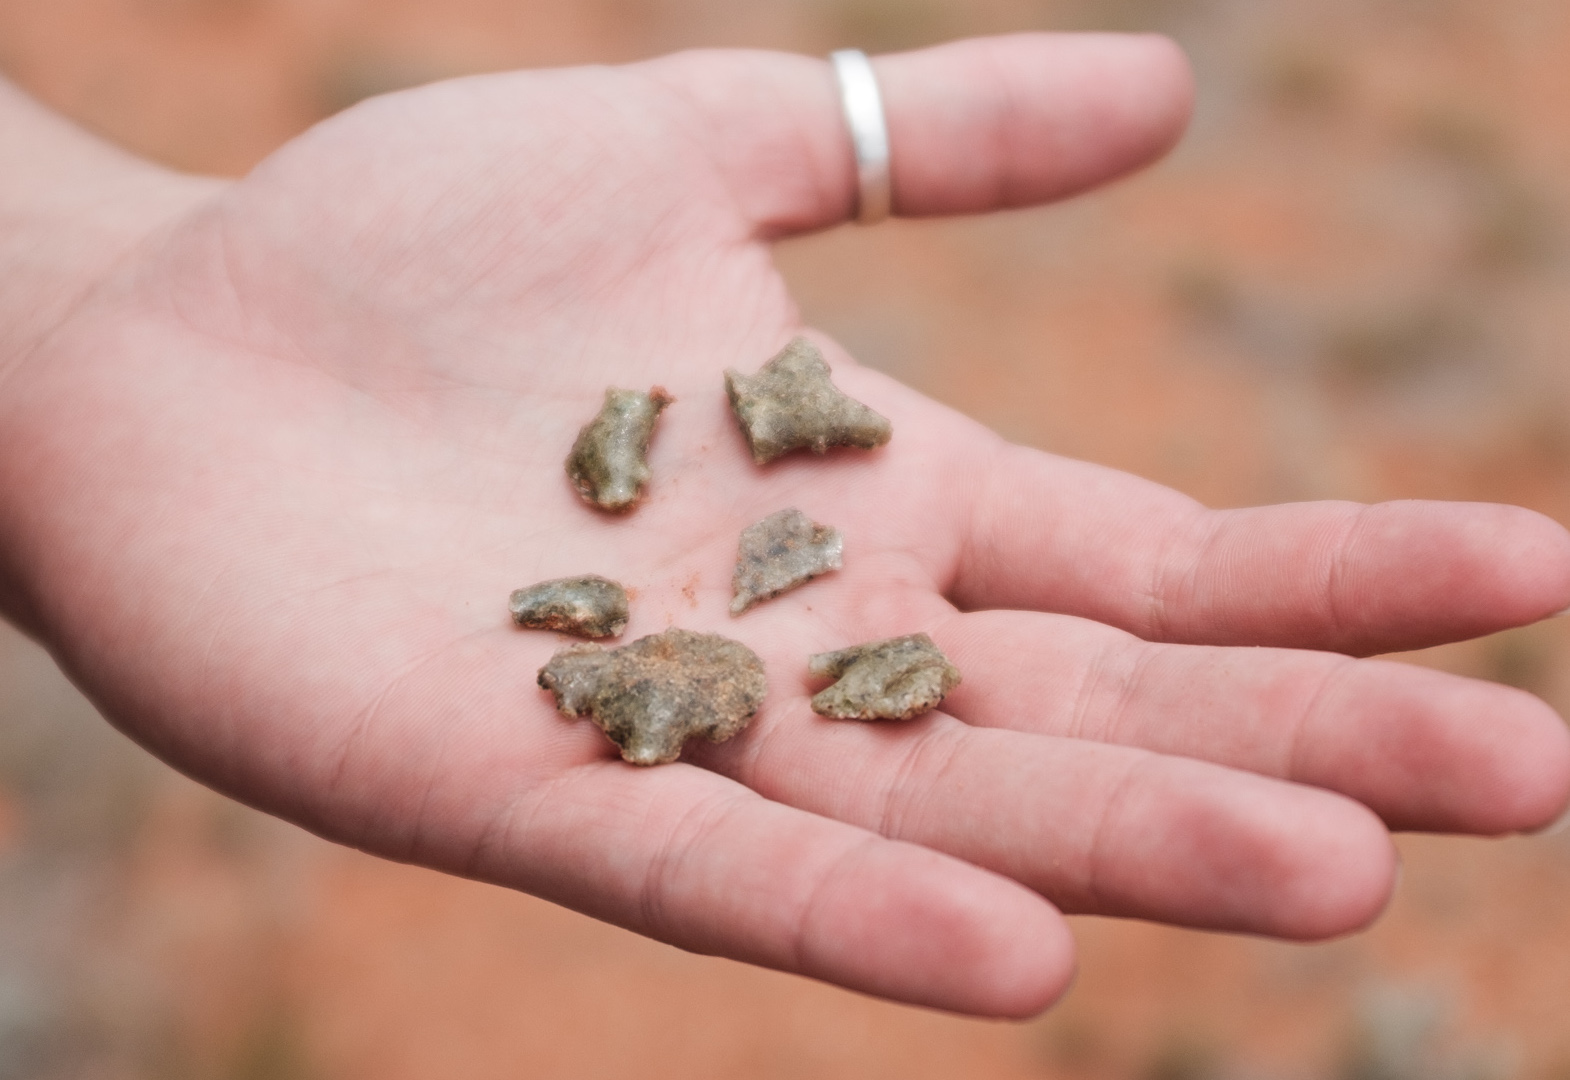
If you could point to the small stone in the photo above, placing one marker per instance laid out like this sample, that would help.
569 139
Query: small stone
650 697
609 462
589 606
791 404
780 552
883 680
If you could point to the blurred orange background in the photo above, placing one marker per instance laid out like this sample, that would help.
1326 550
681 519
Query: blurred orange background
1352 281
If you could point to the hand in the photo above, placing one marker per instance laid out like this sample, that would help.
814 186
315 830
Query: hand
266 484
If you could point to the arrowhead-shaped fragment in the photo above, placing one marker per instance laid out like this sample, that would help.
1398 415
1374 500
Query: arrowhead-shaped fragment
609 462
782 551
589 606
791 404
883 680
650 697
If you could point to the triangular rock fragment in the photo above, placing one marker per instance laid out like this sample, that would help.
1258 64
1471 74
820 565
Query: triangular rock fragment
784 550
792 404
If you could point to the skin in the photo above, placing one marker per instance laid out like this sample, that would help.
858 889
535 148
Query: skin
274 452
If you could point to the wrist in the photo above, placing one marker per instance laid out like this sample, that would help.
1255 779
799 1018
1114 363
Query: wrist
71 207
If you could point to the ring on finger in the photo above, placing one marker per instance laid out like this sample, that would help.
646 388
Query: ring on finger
862 105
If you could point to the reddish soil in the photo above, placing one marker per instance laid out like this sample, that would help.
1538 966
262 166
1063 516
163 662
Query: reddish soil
1351 282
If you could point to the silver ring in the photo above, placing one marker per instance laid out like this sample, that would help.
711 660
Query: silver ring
869 133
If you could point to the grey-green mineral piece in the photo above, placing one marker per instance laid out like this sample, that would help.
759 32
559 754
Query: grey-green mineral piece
588 606
791 404
608 464
883 680
650 697
782 551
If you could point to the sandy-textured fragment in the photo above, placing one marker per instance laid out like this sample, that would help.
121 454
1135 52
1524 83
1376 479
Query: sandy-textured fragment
784 550
791 404
883 680
650 697
588 606
609 461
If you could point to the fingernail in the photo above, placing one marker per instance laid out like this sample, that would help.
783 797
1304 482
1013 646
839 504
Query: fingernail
1560 826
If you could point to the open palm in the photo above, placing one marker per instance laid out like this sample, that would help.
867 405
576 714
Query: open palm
299 446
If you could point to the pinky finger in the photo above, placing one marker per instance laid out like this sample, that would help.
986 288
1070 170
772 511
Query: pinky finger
703 863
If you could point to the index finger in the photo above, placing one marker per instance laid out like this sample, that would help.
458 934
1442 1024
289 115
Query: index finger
1050 534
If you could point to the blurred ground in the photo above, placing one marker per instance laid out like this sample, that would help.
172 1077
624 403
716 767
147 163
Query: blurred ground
1352 281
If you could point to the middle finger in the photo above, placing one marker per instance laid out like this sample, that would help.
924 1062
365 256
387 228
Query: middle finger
1424 749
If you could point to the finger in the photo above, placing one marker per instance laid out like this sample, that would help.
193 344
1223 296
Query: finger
973 125
1421 748
700 862
1054 535
1097 829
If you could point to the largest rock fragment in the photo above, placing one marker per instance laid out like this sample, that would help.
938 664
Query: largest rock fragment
791 404
608 464
650 697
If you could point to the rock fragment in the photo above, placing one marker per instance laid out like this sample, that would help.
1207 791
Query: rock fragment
588 606
608 464
650 697
784 550
791 404
883 680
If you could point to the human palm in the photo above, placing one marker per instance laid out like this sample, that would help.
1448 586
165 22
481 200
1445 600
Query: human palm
301 444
